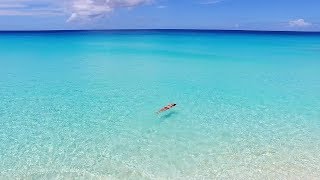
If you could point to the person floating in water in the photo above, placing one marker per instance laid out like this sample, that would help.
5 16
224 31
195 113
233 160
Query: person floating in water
166 108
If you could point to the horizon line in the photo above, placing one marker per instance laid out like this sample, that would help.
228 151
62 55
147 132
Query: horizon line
169 29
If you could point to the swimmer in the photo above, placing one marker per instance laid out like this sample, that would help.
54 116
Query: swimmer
166 108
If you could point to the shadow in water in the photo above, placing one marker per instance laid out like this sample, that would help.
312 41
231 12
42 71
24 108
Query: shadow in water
168 115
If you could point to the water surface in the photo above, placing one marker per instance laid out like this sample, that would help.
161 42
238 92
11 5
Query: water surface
82 105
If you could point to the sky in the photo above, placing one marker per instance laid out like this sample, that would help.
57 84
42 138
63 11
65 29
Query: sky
276 15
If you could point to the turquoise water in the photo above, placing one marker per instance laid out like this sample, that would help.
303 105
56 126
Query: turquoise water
82 105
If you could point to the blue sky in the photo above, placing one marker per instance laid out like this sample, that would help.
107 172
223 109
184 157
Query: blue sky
301 15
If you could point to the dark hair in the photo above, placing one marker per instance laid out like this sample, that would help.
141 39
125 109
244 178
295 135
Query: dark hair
174 104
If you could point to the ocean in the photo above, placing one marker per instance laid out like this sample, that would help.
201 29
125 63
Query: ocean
82 105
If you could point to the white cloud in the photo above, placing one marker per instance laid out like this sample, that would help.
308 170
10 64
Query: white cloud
210 2
30 13
161 7
88 9
11 5
31 7
76 9
299 23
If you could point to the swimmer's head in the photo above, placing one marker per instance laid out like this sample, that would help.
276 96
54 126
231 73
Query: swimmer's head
174 104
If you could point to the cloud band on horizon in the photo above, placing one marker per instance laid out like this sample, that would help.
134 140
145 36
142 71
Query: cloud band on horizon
299 23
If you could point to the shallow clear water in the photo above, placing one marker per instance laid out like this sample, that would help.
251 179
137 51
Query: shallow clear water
82 105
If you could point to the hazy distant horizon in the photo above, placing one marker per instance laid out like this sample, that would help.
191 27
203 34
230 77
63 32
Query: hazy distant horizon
166 29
